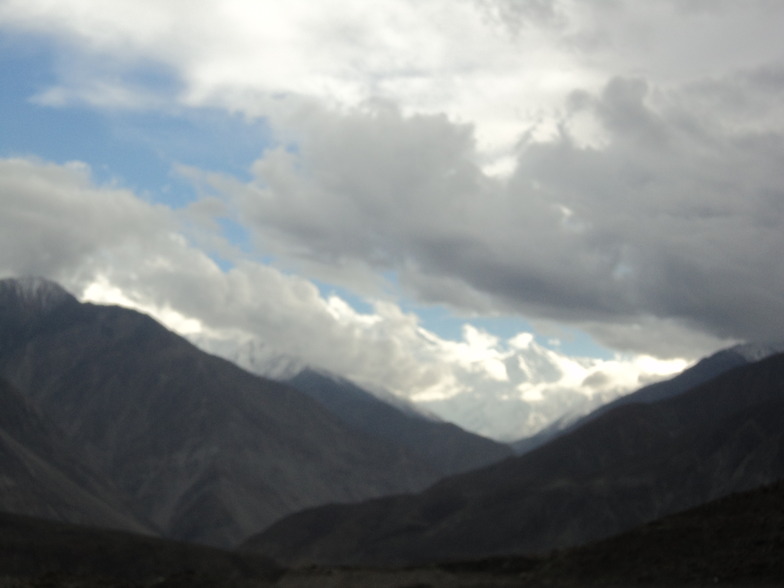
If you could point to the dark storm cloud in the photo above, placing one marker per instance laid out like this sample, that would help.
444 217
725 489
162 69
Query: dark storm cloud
613 165
669 213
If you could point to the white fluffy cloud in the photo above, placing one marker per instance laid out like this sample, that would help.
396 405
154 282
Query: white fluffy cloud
55 222
644 185
612 166
674 218
502 65
490 63
109 246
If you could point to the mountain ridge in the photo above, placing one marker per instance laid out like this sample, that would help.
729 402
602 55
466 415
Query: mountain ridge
703 371
44 475
629 465
209 452
445 446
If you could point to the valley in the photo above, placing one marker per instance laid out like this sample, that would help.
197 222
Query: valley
122 442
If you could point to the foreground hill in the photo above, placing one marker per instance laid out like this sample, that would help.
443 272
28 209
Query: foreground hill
42 475
735 541
205 451
37 552
632 464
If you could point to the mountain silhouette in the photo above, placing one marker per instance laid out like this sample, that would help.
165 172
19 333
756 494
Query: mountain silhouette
199 449
631 464
703 371
445 447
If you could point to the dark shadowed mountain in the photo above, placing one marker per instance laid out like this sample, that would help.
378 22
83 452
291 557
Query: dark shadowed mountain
632 464
37 552
206 451
445 447
735 541
738 540
43 476
703 371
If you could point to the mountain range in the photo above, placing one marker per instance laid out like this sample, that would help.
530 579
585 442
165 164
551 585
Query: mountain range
135 428
703 371
737 540
42 475
631 464
110 420
442 445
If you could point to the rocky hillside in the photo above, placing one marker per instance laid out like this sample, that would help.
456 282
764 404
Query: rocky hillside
632 464
736 541
201 449
445 447
44 475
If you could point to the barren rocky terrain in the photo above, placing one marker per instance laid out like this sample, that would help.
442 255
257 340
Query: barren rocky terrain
736 541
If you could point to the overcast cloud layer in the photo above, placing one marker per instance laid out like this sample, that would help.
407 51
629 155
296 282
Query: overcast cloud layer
609 166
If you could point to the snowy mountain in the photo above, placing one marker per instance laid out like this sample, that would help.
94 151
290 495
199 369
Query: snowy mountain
516 389
107 417
632 464
701 372
203 450
250 354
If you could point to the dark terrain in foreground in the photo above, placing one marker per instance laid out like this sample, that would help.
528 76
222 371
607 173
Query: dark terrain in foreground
735 541
37 552
632 465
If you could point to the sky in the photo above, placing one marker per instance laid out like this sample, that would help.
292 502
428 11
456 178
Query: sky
504 211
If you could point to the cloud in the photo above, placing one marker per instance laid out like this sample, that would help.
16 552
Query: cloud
109 246
262 59
513 388
55 221
675 217
610 166
505 67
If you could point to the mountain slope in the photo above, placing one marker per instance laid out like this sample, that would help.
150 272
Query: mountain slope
208 452
41 475
632 464
703 371
445 447
735 541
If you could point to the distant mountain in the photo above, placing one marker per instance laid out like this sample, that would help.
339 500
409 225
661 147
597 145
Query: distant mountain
632 464
252 355
703 371
205 451
445 447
